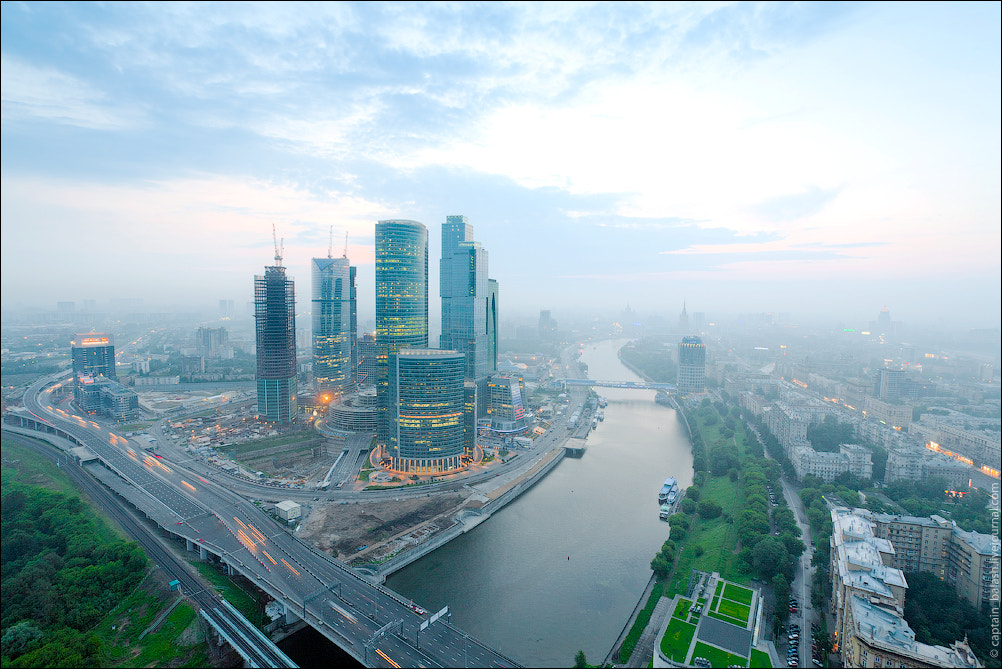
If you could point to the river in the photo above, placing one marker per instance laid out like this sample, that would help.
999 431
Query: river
561 568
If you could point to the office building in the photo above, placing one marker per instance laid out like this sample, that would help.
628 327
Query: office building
401 306
691 365
428 425
505 408
469 303
335 324
365 368
92 355
275 328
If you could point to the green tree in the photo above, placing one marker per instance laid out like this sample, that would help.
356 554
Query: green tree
580 661
708 509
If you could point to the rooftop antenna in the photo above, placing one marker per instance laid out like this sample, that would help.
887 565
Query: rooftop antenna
345 255
330 245
278 249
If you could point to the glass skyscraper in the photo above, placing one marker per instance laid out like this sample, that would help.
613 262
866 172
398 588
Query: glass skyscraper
428 428
275 328
335 322
469 302
401 306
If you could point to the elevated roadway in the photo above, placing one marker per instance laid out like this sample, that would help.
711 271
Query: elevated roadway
377 626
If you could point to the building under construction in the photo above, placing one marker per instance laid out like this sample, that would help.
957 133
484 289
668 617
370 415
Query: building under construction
275 325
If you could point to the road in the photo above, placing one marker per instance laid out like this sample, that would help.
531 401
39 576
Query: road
377 626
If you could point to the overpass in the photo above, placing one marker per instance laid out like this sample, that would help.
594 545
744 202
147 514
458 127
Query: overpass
637 385
375 625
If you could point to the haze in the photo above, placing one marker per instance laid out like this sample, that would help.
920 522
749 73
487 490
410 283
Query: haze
812 159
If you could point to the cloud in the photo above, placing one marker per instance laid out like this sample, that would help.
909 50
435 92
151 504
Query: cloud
33 93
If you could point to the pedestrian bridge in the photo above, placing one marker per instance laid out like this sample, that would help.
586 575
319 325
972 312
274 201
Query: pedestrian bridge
638 385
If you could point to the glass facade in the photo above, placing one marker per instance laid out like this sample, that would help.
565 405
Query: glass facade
335 323
428 427
93 356
691 365
275 329
401 305
507 413
463 289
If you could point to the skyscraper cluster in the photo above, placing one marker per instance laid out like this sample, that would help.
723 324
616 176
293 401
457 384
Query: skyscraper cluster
427 400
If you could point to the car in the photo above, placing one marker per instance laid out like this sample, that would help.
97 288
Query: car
201 541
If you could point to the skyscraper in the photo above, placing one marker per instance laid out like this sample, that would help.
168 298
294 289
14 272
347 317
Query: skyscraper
335 322
691 365
463 289
401 306
275 325
93 355
428 425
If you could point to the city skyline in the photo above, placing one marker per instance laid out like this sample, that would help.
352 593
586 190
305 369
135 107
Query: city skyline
819 160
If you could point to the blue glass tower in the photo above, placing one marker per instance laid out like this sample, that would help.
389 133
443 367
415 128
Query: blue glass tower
335 325
401 306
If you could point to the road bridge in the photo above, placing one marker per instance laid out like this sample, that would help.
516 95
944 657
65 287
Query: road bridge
636 385
225 528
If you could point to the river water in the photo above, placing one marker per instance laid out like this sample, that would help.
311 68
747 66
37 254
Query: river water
561 568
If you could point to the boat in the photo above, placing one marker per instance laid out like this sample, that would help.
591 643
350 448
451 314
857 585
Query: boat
665 512
600 415
669 491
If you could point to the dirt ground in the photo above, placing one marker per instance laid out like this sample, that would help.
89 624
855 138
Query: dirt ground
342 529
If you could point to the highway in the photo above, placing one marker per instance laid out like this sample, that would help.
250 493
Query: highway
375 625
235 628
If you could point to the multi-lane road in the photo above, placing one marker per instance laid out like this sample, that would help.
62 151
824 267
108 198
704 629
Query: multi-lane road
372 623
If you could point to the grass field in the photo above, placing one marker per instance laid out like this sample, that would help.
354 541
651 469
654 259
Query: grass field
759 660
726 619
675 643
718 657
738 594
733 609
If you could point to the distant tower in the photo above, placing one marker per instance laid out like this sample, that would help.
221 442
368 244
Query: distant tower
335 325
691 365
275 325
683 320
884 321
469 301
401 307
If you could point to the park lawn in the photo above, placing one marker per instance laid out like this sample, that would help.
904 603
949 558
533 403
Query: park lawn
727 619
738 594
718 657
675 643
720 587
682 609
734 609
759 659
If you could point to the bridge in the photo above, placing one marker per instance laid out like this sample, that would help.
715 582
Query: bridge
376 626
636 385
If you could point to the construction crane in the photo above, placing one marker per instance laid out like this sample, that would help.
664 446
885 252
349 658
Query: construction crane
278 249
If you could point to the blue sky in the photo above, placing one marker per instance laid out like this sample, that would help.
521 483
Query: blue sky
815 159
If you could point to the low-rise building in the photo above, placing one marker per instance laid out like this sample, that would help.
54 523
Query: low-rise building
289 510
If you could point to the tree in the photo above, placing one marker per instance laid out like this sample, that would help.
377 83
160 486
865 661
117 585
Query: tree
769 557
709 509
781 588
580 661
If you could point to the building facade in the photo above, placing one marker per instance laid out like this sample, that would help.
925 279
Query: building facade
428 426
275 330
335 324
92 355
691 365
505 408
401 306
469 303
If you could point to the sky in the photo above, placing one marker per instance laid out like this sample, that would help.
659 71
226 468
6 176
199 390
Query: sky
814 159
